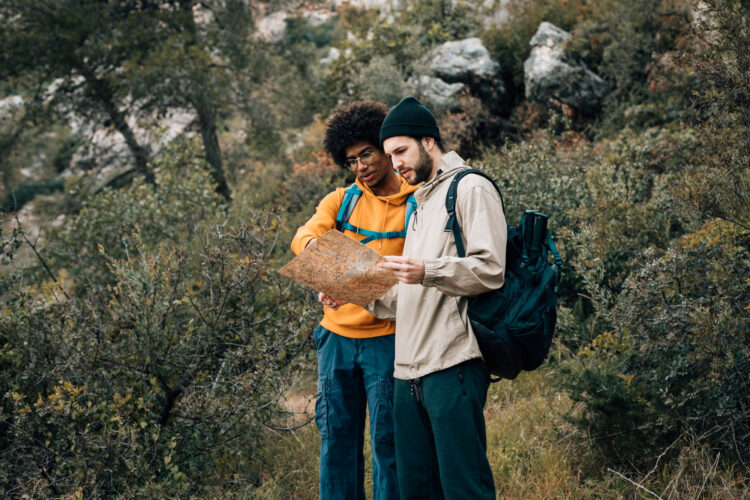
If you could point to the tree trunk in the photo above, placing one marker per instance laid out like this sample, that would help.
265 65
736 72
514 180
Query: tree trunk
104 95
207 122
206 109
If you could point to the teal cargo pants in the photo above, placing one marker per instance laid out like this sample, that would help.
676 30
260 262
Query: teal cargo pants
441 441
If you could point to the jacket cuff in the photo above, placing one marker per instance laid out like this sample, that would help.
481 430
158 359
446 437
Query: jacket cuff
430 272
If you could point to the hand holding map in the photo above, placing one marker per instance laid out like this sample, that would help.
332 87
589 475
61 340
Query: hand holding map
341 267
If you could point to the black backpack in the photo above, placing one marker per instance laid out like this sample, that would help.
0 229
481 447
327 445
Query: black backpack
514 324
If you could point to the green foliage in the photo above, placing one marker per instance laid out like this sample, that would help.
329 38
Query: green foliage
380 80
160 371
299 31
18 197
718 185
606 204
673 365
632 47
169 375
183 200
440 20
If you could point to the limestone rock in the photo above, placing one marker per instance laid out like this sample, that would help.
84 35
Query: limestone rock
549 35
105 155
9 107
469 62
435 91
551 80
272 27
331 57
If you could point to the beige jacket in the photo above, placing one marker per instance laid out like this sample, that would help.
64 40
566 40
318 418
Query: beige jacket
432 329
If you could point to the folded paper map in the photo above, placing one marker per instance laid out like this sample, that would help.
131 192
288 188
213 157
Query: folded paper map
341 267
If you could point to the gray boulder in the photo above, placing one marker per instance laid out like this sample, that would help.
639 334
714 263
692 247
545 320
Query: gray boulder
436 91
9 108
552 81
330 58
272 28
469 62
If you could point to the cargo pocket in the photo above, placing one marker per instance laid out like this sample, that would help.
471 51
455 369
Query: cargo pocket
316 336
384 411
321 407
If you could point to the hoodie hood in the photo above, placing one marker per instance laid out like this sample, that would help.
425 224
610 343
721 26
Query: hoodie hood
397 199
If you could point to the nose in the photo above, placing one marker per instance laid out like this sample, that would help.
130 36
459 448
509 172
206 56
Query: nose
359 164
396 162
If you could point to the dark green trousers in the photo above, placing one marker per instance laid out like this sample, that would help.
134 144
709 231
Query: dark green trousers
441 440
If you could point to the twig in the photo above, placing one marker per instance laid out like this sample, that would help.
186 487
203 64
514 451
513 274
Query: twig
41 259
289 429
639 486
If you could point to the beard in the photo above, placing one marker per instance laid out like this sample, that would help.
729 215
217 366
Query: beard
423 168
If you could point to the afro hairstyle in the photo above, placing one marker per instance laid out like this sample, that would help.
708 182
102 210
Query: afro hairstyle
351 123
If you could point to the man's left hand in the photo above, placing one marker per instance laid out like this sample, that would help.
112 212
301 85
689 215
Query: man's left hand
406 269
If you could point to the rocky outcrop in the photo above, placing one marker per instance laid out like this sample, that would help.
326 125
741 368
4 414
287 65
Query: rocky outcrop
552 81
384 6
272 28
104 154
9 108
469 62
331 57
436 91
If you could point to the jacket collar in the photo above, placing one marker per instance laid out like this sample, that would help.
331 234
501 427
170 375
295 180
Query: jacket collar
448 166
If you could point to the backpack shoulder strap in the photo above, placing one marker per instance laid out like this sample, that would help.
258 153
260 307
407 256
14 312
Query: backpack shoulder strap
411 206
351 197
450 206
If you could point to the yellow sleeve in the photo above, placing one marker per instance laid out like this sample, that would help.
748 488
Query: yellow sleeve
322 221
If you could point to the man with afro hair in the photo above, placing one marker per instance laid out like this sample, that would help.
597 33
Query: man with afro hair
355 350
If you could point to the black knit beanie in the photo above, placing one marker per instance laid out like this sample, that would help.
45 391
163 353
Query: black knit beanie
409 117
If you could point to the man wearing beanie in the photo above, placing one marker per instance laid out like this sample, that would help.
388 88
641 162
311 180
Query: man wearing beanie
354 348
441 381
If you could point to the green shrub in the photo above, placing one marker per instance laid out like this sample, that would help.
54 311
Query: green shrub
24 193
170 213
153 361
674 364
165 377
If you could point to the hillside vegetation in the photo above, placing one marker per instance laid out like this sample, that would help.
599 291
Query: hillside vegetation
149 348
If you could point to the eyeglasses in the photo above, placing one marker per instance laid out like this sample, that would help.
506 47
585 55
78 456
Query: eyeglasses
366 158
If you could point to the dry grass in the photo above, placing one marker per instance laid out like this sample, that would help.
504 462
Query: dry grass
534 452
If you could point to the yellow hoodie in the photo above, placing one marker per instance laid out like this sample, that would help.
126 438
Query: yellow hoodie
373 213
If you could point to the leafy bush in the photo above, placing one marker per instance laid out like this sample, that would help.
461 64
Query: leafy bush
674 365
718 184
629 45
159 372
172 212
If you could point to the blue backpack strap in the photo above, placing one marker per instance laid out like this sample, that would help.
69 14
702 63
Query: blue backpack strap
411 207
373 235
351 197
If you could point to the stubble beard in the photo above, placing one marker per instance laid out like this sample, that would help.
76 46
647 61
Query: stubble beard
423 168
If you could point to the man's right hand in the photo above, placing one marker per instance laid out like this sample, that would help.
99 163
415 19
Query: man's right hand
329 301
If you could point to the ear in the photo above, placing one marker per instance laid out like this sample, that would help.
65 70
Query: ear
428 143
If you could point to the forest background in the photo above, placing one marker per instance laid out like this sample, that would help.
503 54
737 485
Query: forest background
149 348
